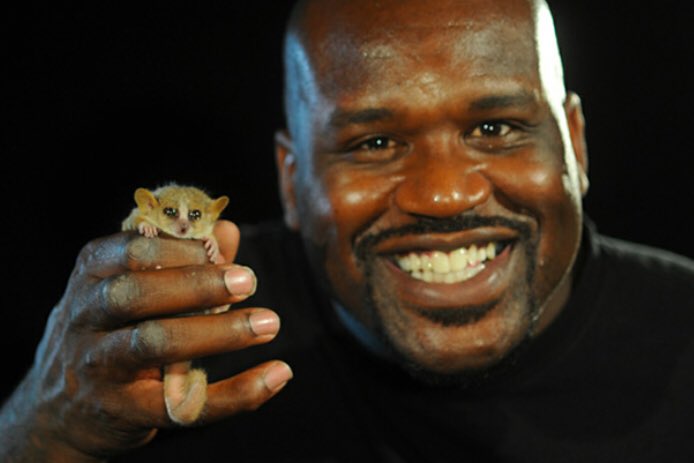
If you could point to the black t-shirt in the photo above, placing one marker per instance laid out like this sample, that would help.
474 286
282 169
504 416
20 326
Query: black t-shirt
611 380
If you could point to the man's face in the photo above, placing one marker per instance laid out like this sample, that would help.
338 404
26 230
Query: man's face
433 176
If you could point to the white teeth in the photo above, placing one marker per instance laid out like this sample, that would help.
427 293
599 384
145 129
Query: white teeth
453 267
458 259
491 251
406 264
440 262
416 261
472 256
482 254
426 263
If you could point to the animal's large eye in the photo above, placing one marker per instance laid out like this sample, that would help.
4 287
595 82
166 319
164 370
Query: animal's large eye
171 212
194 215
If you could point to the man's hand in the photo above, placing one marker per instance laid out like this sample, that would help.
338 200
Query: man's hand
95 388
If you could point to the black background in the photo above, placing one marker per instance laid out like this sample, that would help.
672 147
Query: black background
103 98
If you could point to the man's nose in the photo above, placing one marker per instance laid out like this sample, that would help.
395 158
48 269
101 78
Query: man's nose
442 185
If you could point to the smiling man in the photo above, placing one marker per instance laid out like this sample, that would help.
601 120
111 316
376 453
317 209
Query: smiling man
436 177
442 296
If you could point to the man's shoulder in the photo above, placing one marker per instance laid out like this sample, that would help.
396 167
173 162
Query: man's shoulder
640 291
644 255
643 266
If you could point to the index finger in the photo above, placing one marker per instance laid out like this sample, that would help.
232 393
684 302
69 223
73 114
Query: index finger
133 296
227 234
128 251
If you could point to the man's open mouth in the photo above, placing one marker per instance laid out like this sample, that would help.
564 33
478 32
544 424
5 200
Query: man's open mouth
455 266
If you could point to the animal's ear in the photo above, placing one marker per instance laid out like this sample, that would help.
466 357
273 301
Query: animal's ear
218 206
145 199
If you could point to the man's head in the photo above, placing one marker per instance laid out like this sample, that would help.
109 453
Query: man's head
420 133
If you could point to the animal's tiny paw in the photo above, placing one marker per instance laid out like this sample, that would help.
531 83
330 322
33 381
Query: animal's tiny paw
212 248
149 230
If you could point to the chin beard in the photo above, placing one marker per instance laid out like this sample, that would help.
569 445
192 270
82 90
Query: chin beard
469 378
465 379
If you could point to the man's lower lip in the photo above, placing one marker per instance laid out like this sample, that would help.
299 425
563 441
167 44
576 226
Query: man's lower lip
482 289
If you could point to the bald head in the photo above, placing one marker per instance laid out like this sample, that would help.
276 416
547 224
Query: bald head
331 44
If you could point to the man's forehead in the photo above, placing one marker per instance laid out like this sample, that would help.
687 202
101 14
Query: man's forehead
374 16
344 40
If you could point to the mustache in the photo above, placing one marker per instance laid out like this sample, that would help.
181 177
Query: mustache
425 226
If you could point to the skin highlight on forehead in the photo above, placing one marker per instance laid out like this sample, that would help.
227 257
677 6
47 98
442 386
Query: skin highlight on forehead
492 40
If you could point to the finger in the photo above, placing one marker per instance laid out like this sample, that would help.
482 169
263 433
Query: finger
217 259
169 340
145 404
135 296
117 253
246 391
227 235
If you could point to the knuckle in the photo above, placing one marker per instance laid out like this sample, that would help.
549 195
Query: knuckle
100 405
119 294
87 254
207 282
239 327
148 340
141 252
88 249
91 361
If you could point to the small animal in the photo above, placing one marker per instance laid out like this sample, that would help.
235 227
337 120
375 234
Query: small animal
184 212
180 211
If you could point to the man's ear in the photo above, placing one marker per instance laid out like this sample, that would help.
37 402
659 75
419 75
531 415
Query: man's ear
577 125
285 160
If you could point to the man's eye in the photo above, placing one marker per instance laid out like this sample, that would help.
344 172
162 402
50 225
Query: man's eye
491 129
499 136
377 143
376 149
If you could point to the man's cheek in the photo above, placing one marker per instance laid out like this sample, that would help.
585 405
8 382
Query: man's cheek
315 212
542 190
358 199
358 203
530 184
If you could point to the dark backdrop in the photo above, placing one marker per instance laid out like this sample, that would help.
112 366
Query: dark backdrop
103 98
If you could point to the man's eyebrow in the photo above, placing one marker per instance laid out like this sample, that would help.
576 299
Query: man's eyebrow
342 118
503 101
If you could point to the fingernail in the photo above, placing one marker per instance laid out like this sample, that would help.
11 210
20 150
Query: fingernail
277 376
240 281
264 322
